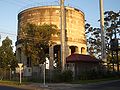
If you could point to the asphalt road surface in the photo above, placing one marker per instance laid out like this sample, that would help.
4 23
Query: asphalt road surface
2 87
105 86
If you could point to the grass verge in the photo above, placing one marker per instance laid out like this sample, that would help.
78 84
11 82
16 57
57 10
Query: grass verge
12 83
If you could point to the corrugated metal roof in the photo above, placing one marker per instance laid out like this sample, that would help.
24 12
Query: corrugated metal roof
81 58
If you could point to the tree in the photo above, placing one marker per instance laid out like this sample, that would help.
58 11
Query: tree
7 55
36 40
93 40
112 29
112 25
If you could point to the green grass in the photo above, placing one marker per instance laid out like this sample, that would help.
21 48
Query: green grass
16 83
13 83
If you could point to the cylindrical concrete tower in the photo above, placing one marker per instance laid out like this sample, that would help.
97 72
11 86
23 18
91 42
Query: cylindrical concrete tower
74 34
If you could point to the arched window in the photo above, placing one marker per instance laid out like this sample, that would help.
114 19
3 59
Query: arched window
82 50
57 55
74 49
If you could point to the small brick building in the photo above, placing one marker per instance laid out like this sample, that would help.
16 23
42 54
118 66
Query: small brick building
79 63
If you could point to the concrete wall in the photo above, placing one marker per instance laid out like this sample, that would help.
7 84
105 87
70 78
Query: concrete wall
75 31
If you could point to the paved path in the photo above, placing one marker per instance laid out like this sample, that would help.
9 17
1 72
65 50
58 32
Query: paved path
108 85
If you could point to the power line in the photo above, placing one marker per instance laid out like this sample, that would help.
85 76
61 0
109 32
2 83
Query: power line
7 34
13 3
45 2
21 2
6 29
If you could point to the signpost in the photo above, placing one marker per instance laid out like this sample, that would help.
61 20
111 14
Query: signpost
10 70
20 68
44 72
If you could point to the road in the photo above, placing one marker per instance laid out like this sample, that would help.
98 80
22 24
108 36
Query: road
105 86
102 86
2 87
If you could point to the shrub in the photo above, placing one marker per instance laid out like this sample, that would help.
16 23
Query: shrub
67 76
56 76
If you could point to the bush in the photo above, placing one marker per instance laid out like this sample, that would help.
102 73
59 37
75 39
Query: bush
90 75
67 76
56 76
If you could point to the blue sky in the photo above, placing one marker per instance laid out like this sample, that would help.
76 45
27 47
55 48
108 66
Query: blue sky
9 10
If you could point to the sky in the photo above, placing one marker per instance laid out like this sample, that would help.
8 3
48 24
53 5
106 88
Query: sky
9 10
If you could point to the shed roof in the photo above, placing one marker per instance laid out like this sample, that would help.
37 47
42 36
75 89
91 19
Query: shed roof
81 58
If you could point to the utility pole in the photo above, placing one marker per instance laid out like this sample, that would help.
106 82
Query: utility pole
103 52
0 38
62 18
